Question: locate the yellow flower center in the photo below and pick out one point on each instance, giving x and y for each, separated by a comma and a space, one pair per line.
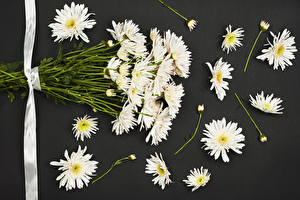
267, 106
222, 139
83, 125
175, 56
76, 168
279, 51
230, 38
219, 76
138, 74
70, 23
133, 91
199, 180
160, 171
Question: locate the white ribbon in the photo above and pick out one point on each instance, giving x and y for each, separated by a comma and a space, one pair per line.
30, 148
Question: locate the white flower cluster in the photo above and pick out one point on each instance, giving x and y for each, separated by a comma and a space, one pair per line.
145, 79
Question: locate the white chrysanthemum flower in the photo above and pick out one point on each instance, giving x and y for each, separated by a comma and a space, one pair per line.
220, 71
84, 126
125, 121
163, 76
173, 94
77, 169
154, 34
141, 74
131, 31
124, 69
134, 95
158, 51
232, 39
123, 54
71, 22
123, 82
161, 126
132, 41
267, 104
222, 137
198, 178
281, 52
179, 53
150, 109
112, 67
157, 167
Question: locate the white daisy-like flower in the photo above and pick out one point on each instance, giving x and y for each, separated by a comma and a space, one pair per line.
220, 71
157, 167
267, 104
125, 121
154, 34
132, 41
123, 82
173, 94
222, 137
161, 126
77, 169
163, 76
112, 67
198, 178
71, 22
141, 74
150, 109
179, 52
232, 39
84, 126
134, 95
123, 54
158, 51
281, 52
124, 69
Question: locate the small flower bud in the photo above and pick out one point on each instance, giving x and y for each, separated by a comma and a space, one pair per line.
263, 138
264, 25
191, 23
132, 157
200, 108
94, 110
110, 43
110, 92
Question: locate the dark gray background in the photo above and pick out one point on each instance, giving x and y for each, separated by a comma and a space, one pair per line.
263, 171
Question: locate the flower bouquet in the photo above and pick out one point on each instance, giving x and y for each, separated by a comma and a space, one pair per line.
128, 78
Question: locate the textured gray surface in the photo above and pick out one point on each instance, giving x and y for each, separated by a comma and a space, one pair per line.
263, 171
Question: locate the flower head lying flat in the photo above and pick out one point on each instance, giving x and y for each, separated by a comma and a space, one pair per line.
281, 51
198, 178
232, 39
222, 137
157, 167
266, 104
84, 127
77, 169
71, 22
220, 71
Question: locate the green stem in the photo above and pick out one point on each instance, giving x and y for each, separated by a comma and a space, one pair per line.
118, 162
248, 114
252, 50
200, 116
163, 3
